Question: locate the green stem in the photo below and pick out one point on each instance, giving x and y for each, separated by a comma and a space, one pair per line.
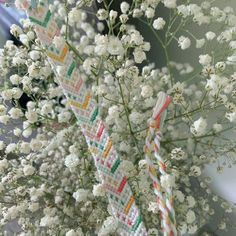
127, 117
198, 137
74, 50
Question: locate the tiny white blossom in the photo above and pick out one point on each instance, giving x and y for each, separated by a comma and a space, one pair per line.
191, 201
183, 10
71, 233
6, 94
75, 15
101, 42
3, 165
231, 116
136, 117
150, 12
139, 55
102, 14
31, 116
192, 229
170, 3
182, 228
190, 217
179, 195
178, 154
146, 91
205, 59
35, 145
2, 145
109, 226
210, 35
115, 46
64, 117
184, 42
222, 225
159, 23
16, 30
3, 110
153, 207
220, 65
15, 79
167, 181
217, 127
113, 112
25, 148
34, 55
137, 13
99, 190
71, 161
15, 113
28, 170
124, 6
81, 195
10, 148
199, 127
4, 119
195, 171
113, 15
200, 43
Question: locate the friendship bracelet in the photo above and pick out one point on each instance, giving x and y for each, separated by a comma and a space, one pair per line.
164, 200
86, 110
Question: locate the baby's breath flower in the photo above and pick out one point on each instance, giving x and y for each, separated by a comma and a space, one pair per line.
169, 3
124, 6
153, 207
159, 23
199, 127
16, 30
190, 217
139, 55
200, 43
210, 35
71, 161
205, 59
43, 150
74, 15
195, 171
178, 154
102, 14
28, 170
115, 46
167, 181
184, 42
80, 195
99, 190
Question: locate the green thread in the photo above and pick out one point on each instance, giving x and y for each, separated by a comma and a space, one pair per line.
115, 166
136, 225
42, 23
71, 69
94, 115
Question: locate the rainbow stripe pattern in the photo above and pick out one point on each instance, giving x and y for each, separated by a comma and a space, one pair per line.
164, 194
86, 109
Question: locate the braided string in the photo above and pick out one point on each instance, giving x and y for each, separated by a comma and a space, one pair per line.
165, 201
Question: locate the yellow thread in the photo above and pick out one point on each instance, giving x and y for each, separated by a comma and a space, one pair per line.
79, 105
131, 201
61, 57
108, 148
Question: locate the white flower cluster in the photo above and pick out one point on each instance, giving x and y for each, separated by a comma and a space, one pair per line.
48, 179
